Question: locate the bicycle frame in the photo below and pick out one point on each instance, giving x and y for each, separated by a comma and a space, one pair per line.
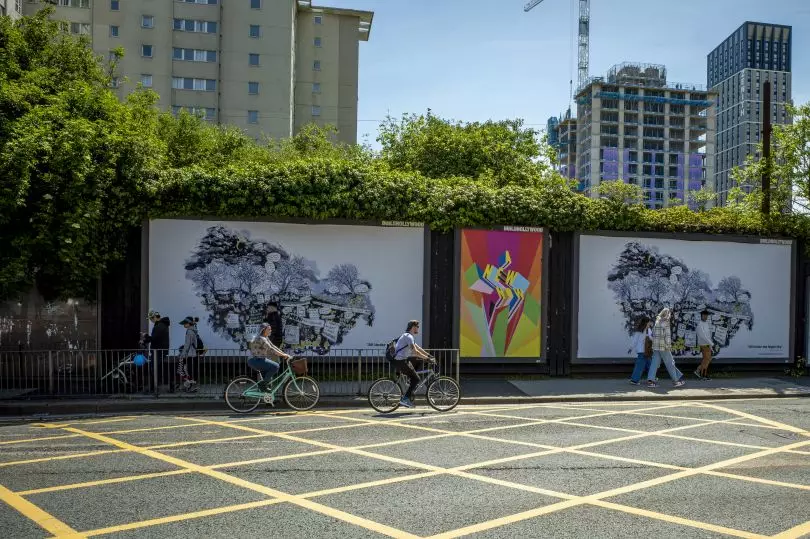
277, 383
424, 381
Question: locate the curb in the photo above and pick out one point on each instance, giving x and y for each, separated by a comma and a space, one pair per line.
27, 409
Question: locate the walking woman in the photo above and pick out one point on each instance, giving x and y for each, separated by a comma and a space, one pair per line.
642, 346
187, 353
662, 350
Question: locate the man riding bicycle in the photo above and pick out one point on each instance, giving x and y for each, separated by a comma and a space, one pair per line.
407, 350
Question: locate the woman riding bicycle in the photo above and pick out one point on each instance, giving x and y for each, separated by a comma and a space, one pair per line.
262, 348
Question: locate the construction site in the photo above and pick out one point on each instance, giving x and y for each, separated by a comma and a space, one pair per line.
635, 126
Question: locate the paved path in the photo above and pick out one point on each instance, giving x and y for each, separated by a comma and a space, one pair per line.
737, 468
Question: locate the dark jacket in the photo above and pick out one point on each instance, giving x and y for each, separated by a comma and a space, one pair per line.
276, 335
159, 340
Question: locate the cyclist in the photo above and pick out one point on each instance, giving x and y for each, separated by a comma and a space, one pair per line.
406, 350
261, 347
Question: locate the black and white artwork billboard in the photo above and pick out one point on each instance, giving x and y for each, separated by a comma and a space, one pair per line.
336, 286
745, 286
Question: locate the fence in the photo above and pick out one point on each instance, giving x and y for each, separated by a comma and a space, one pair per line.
88, 373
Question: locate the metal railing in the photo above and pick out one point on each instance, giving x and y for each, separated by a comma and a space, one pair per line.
92, 373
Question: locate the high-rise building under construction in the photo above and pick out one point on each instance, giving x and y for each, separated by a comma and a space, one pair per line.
635, 126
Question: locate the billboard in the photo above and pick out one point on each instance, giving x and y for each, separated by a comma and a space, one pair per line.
500, 293
338, 286
746, 287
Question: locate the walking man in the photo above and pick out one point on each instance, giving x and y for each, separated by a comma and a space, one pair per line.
704, 338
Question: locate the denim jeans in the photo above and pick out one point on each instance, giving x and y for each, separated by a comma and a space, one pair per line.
265, 366
642, 364
669, 363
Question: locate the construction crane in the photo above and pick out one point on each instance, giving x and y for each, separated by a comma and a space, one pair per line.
584, 37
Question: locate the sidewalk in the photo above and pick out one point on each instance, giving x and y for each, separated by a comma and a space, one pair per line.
474, 391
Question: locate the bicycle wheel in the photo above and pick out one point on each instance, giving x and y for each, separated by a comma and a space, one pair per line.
443, 394
302, 393
236, 398
384, 395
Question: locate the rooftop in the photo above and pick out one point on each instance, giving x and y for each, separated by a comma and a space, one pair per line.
366, 17
640, 75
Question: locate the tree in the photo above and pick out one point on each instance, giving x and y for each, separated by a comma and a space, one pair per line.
790, 166
703, 199
498, 153
71, 157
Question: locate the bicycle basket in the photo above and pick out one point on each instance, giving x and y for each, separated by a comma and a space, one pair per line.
299, 366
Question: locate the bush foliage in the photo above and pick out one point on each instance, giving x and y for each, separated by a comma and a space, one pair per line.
79, 169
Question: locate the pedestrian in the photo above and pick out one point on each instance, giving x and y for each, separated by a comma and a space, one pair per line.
273, 318
261, 348
406, 350
704, 340
188, 353
158, 341
642, 347
662, 350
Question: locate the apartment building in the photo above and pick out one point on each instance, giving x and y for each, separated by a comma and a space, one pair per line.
562, 137
737, 70
635, 126
267, 66
12, 8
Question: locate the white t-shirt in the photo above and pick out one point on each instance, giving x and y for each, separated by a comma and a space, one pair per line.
638, 340
404, 346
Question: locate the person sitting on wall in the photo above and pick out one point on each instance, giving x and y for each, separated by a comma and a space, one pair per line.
261, 348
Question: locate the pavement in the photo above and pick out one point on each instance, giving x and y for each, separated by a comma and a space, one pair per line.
677, 468
473, 390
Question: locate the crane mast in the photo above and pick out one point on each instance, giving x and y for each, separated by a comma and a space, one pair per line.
584, 32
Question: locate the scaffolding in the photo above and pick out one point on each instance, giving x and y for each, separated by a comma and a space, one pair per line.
636, 74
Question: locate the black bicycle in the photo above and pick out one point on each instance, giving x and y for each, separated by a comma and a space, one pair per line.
443, 393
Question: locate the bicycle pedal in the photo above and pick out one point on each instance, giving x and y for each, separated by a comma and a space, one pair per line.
268, 399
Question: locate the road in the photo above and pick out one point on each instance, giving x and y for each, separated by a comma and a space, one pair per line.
731, 468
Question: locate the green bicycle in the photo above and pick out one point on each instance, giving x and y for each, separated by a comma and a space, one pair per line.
300, 392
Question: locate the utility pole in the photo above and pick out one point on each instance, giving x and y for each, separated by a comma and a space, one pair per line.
766, 148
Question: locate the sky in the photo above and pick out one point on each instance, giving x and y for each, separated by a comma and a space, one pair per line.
475, 60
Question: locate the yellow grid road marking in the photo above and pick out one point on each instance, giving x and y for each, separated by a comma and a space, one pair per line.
794, 533
180, 518
99, 482
771, 422
42, 518
61, 457
282, 496
43, 438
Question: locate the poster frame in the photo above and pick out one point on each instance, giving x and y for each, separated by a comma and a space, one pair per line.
684, 236
544, 289
425, 315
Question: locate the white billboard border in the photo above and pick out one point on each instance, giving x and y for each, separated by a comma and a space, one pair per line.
426, 260
681, 236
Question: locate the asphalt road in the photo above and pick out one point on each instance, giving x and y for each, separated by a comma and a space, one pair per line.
672, 469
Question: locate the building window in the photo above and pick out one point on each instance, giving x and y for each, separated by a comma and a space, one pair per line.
316, 87
63, 3
316, 110
207, 113
316, 65
114, 5
255, 4
146, 81
194, 55
146, 51
253, 88
253, 116
147, 21
209, 2
255, 30
318, 19
113, 31
189, 25
80, 28
253, 59
317, 42
199, 85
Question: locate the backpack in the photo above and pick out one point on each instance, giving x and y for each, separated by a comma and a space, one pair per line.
391, 350
200, 346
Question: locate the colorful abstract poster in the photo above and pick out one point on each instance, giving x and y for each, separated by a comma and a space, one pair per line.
500, 294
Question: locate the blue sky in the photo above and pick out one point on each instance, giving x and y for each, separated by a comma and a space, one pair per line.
487, 59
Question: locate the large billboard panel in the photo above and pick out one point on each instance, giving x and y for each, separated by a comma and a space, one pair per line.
338, 286
746, 287
500, 294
